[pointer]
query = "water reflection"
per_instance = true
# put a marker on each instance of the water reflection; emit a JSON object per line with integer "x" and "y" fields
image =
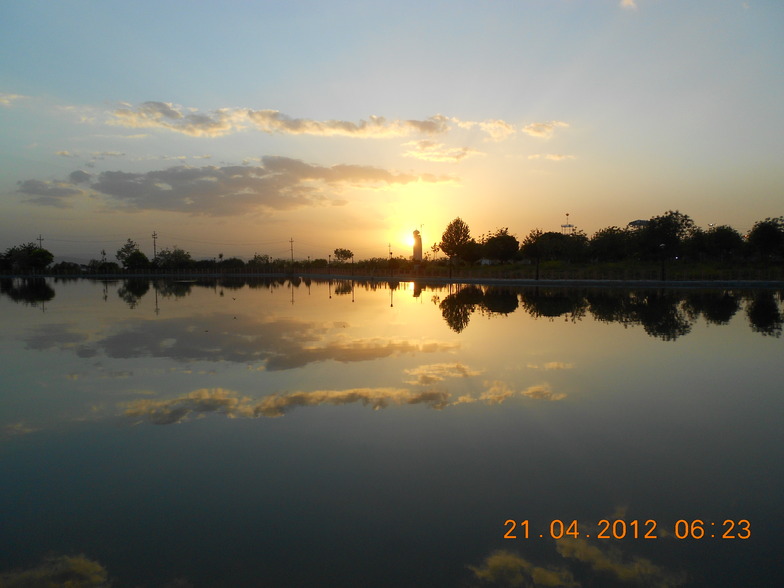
{"x": 379, "y": 434}
{"x": 666, "y": 314}
{"x": 30, "y": 291}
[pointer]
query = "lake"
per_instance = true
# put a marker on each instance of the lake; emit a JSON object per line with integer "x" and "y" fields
{"x": 292, "y": 432}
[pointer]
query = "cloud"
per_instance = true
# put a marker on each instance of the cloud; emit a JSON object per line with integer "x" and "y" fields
{"x": 59, "y": 571}
{"x": 497, "y": 129}
{"x": 230, "y": 404}
{"x": 542, "y": 392}
{"x": 9, "y": 99}
{"x": 277, "y": 404}
{"x": 49, "y": 193}
{"x": 432, "y": 151}
{"x": 223, "y": 121}
{"x": 66, "y": 154}
{"x": 273, "y": 121}
{"x": 497, "y": 391}
{"x": 544, "y": 130}
{"x": 638, "y": 570}
{"x": 552, "y": 365}
{"x": 629, "y": 4}
{"x": 278, "y": 344}
{"x": 165, "y": 115}
{"x": 199, "y": 402}
{"x": 504, "y": 568}
{"x": 279, "y": 183}
{"x": 173, "y": 117}
{"x": 438, "y": 372}
{"x": 16, "y": 429}
{"x": 79, "y": 177}
{"x": 551, "y": 156}
{"x": 351, "y": 351}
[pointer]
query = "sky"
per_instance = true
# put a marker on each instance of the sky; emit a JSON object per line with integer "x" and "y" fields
{"x": 266, "y": 127}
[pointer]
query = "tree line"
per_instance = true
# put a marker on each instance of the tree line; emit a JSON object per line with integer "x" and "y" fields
{"x": 672, "y": 235}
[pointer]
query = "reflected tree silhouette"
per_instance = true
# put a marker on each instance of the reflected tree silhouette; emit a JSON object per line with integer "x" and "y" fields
{"x": 500, "y": 300}
{"x": 343, "y": 287}
{"x": 132, "y": 290}
{"x": 764, "y": 314}
{"x": 169, "y": 289}
{"x": 661, "y": 315}
{"x": 27, "y": 290}
{"x": 718, "y": 308}
{"x": 553, "y": 302}
{"x": 457, "y": 308}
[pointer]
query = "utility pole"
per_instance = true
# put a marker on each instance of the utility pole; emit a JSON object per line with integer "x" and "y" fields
{"x": 291, "y": 242}
{"x": 154, "y": 250}
{"x": 39, "y": 239}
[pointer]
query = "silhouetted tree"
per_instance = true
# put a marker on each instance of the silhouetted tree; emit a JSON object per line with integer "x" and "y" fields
{"x": 343, "y": 254}
{"x": 26, "y": 257}
{"x": 766, "y": 238}
{"x": 664, "y": 235}
{"x": 455, "y": 236}
{"x": 173, "y": 258}
{"x": 124, "y": 253}
{"x": 136, "y": 261}
{"x": 470, "y": 252}
{"x": 610, "y": 244}
{"x": 501, "y": 246}
{"x": 718, "y": 243}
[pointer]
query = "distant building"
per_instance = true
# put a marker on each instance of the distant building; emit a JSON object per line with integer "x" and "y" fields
{"x": 417, "y": 246}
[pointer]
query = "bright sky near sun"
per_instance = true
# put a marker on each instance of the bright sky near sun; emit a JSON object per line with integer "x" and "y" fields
{"x": 233, "y": 127}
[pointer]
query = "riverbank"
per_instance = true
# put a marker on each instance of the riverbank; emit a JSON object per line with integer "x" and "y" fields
{"x": 485, "y": 279}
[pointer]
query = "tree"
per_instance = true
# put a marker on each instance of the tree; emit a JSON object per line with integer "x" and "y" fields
{"x": 173, "y": 258}
{"x": 27, "y": 257}
{"x": 343, "y": 254}
{"x": 455, "y": 237}
{"x": 610, "y": 244}
{"x": 501, "y": 245}
{"x": 470, "y": 252}
{"x": 766, "y": 238}
{"x": 719, "y": 243}
{"x": 664, "y": 235}
{"x": 124, "y": 252}
{"x": 136, "y": 260}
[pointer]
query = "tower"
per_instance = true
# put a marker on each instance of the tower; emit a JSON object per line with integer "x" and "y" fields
{"x": 417, "y": 246}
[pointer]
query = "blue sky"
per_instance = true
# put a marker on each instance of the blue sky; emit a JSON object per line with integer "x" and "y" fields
{"x": 233, "y": 127}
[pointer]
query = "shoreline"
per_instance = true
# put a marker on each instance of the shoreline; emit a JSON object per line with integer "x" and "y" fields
{"x": 441, "y": 280}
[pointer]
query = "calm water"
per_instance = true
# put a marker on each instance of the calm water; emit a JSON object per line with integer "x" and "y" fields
{"x": 338, "y": 434}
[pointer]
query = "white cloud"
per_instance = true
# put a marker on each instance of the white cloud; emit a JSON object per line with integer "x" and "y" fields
{"x": 438, "y": 152}
{"x": 170, "y": 116}
{"x": 551, "y": 156}
{"x": 9, "y": 99}
{"x": 438, "y": 372}
{"x": 544, "y": 130}
{"x": 630, "y": 4}
{"x": 173, "y": 117}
